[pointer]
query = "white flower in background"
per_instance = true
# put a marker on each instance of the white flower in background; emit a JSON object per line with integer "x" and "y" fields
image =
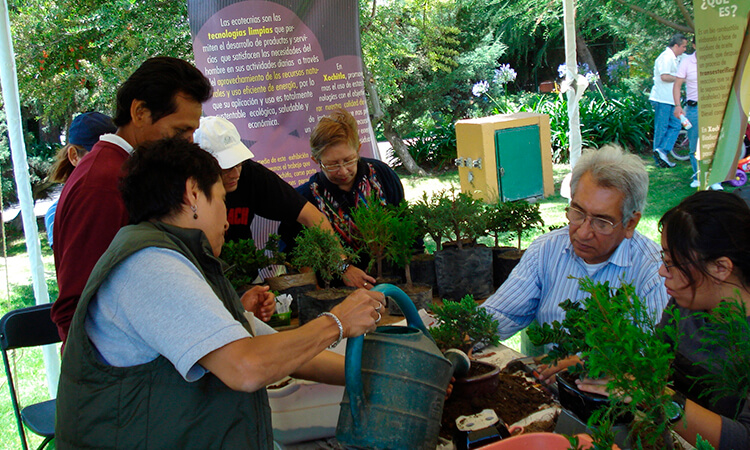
{"x": 505, "y": 74}
{"x": 480, "y": 88}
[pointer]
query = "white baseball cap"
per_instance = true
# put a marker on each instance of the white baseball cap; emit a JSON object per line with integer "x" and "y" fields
{"x": 219, "y": 137}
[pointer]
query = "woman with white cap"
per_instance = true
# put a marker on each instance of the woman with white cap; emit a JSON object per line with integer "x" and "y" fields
{"x": 252, "y": 189}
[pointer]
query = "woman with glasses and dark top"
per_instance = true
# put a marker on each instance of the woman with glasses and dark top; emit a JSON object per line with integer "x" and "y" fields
{"x": 706, "y": 258}
{"x": 346, "y": 180}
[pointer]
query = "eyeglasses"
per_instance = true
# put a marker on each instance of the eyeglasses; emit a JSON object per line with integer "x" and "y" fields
{"x": 336, "y": 167}
{"x": 601, "y": 226}
{"x": 667, "y": 265}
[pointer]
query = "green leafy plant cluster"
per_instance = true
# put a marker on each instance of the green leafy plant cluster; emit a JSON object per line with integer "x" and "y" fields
{"x": 451, "y": 215}
{"x": 463, "y": 325}
{"x": 617, "y": 337}
{"x": 245, "y": 259}
{"x": 321, "y": 251}
{"x": 405, "y": 234}
{"x": 516, "y": 218}
{"x": 433, "y": 148}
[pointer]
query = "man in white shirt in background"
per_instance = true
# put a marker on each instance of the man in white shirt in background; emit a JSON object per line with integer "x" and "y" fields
{"x": 666, "y": 125}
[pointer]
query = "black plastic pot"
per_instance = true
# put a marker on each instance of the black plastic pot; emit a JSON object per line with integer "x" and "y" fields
{"x": 504, "y": 259}
{"x": 293, "y": 284}
{"x": 583, "y": 404}
{"x": 463, "y": 272}
{"x": 420, "y": 294}
{"x": 422, "y": 270}
{"x": 312, "y": 303}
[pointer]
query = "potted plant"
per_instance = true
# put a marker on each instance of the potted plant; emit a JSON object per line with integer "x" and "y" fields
{"x": 462, "y": 267}
{"x": 422, "y": 266}
{"x": 518, "y": 217}
{"x": 405, "y": 233}
{"x": 616, "y": 336}
{"x": 463, "y": 325}
{"x": 374, "y": 233}
{"x": 245, "y": 260}
{"x": 321, "y": 252}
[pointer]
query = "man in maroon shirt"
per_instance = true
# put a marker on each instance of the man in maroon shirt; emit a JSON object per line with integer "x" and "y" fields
{"x": 161, "y": 99}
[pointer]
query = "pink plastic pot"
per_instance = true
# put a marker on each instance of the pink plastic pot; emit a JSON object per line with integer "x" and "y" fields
{"x": 547, "y": 441}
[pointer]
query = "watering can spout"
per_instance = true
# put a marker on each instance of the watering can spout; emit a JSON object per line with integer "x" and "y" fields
{"x": 459, "y": 360}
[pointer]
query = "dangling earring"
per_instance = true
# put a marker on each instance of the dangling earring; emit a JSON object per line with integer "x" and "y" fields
{"x": 195, "y": 211}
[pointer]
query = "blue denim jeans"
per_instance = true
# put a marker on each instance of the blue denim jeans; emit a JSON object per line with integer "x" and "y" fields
{"x": 666, "y": 126}
{"x": 691, "y": 112}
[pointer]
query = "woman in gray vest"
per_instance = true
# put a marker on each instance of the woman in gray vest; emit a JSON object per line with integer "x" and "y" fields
{"x": 161, "y": 353}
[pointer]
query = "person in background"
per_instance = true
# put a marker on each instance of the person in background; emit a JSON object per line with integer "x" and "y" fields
{"x": 162, "y": 98}
{"x": 666, "y": 125}
{"x": 609, "y": 189}
{"x": 346, "y": 180}
{"x": 84, "y": 132}
{"x": 160, "y": 352}
{"x": 253, "y": 189}
{"x": 705, "y": 260}
{"x": 687, "y": 73}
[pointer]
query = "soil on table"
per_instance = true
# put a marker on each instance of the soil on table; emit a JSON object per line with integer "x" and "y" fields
{"x": 516, "y": 398}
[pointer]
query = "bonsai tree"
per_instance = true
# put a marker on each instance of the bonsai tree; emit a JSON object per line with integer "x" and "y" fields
{"x": 616, "y": 336}
{"x": 374, "y": 231}
{"x": 245, "y": 259}
{"x": 517, "y": 217}
{"x": 429, "y": 221}
{"x": 320, "y": 250}
{"x": 463, "y": 325}
{"x": 405, "y": 233}
{"x": 462, "y": 216}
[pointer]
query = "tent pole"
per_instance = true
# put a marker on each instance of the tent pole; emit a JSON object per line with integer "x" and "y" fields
{"x": 9, "y": 83}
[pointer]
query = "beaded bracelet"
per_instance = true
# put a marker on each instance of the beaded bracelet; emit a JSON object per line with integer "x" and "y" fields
{"x": 338, "y": 323}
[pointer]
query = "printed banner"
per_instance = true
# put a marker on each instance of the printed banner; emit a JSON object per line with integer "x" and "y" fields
{"x": 276, "y": 68}
{"x": 723, "y": 40}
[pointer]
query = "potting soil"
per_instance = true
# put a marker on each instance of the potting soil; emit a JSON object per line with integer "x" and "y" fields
{"x": 516, "y": 398}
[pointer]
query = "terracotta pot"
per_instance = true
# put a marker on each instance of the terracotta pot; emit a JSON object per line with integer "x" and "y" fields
{"x": 580, "y": 403}
{"x": 480, "y": 384}
{"x": 420, "y": 294}
{"x": 293, "y": 284}
{"x": 312, "y": 303}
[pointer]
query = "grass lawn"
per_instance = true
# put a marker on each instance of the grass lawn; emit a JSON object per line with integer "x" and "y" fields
{"x": 667, "y": 188}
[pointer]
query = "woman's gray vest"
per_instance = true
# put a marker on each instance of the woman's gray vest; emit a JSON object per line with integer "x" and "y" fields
{"x": 151, "y": 406}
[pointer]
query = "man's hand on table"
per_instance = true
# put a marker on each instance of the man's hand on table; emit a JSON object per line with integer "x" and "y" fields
{"x": 547, "y": 372}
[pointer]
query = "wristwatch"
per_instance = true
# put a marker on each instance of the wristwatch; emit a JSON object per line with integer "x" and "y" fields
{"x": 343, "y": 266}
{"x": 678, "y": 404}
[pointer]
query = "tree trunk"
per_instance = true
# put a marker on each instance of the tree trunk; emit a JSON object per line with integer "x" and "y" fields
{"x": 392, "y": 135}
{"x": 656, "y": 17}
{"x": 407, "y": 273}
{"x": 585, "y": 55}
{"x": 400, "y": 148}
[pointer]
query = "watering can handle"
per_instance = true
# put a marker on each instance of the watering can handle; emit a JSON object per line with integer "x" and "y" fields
{"x": 353, "y": 357}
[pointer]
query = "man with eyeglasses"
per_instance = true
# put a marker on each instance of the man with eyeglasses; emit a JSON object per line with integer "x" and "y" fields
{"x": 346, "y": 181}
{"x": 608, "y": 190}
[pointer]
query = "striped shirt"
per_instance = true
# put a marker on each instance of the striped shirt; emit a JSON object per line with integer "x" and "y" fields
{"x": 541, "y": 280}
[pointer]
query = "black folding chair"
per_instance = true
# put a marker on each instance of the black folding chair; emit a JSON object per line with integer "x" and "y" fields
{"x": 29, "y": 327}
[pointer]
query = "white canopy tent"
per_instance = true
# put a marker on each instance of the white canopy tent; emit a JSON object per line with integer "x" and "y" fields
{"x": 9, "y": 84}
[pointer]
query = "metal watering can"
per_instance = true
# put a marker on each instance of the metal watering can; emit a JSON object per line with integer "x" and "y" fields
{"x": 396, "y": 378}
